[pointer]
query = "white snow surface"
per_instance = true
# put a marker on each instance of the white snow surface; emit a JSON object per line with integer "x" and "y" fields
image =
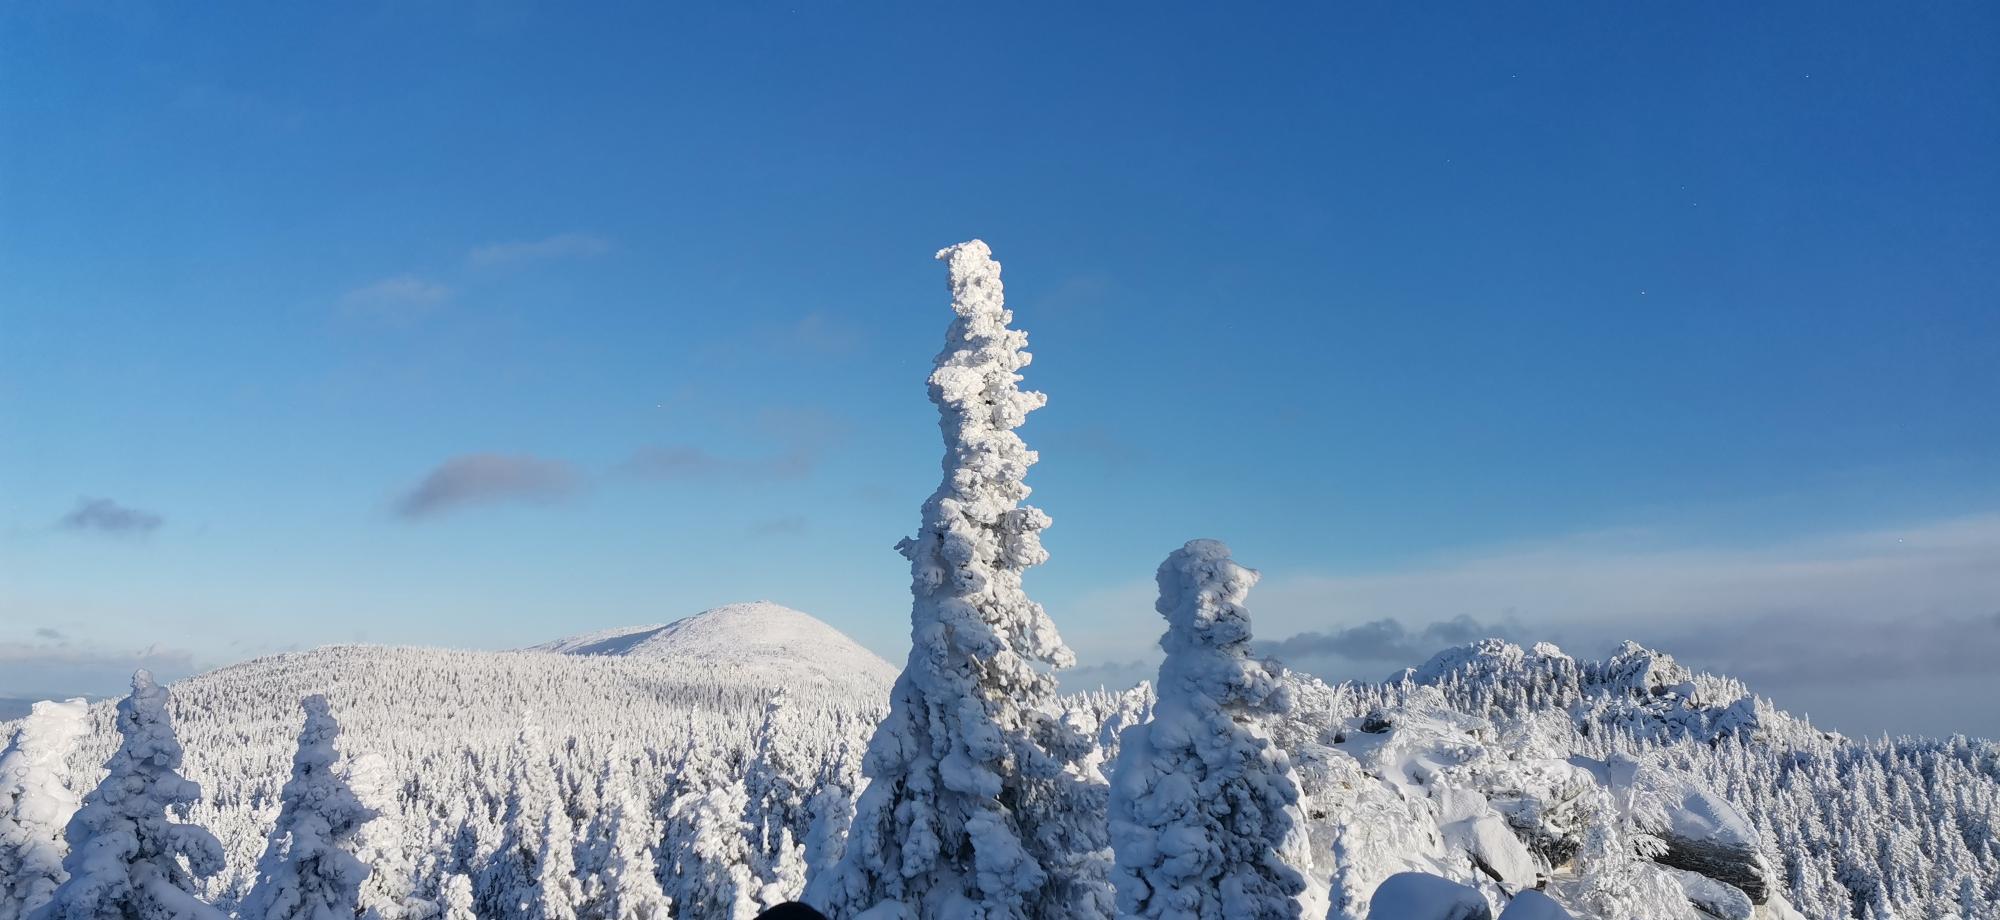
{"x": 782, "y": 646}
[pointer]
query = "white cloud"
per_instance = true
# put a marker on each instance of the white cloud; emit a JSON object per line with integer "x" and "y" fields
{"x": 399, "y": 299}
{"x": 560, "y": 246}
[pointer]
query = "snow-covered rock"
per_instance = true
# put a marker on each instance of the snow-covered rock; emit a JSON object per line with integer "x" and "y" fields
{"x": 1416, "y": 896}
{"x": 765, "y": 641}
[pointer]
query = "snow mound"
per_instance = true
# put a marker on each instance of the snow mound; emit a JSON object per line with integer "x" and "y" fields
{"x": 760, "y": 639}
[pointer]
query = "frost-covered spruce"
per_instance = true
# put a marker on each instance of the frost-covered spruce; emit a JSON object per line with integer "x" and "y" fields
{"x": 380, "y": 843}
{"x": 35, "y": 805}
{"x": 532, "y": 872}
{"x": 308, "y": 871}
{"x": 125, "y": 857}
{"x": 970, "y": 810}
{"x": 777, "y": 804}
{"x": 631, "y": 885}
{"x": 708, "y": 855}
{"x": 1203, "y": 805}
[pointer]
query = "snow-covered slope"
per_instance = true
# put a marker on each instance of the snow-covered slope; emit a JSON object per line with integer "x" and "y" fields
{"x": 767, "y": 642}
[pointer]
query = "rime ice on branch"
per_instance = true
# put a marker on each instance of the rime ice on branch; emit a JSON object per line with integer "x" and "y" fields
{"x": 1203, "y": 806}
{"x": 35, "y": 805}
{"x": 124, "y": 855}
{"x": 967, "y": 809}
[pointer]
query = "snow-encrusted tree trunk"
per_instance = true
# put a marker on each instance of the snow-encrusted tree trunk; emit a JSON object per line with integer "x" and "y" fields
{"x": 35, "y": 805}
{"x": 308, "y": 871}
{"x": 1204, "y": 807}
{"x": 971, "y": 809}
{"x": 125, "y": 857}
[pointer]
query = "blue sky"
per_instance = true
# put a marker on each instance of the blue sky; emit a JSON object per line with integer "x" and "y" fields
{"x": 1580, "y": 321}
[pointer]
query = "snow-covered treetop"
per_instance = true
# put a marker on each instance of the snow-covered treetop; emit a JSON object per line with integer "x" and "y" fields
{"x": 977, "y": 534}
{"x": 1208, "y": 630}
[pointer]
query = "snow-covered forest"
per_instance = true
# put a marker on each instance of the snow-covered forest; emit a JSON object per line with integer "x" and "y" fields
{"x": 711, "y": 768}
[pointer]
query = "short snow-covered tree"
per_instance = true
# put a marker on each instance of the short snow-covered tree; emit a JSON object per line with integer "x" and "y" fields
{"x": 125, "y": 858}
{"x": 708, "y": 855}
{"x": 308, "y": 871}
{"x": 1204, "y": 807}
{"x": 35, "y": 805}
{"x": 969, "y": 809}
{"x": 1613, "y": 876}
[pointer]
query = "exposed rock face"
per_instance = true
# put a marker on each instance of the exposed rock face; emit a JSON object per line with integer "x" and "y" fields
{"x": 1717, "y": 899}
{"x": 1733, "y": 863}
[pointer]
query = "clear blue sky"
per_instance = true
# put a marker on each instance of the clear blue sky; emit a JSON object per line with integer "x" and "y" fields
{"x": 1391, "y": 298}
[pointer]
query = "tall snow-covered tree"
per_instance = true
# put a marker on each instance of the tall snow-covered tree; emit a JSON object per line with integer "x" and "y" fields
{"x": 308, "y": 871}
{"x": 532, "y": 871}
{"x": 630, "y": 884}
{"x": 125, "y": 857}
{"x": 777, "y": 805}
{"x": 1204, "y": 807}
{"x": 380, "y": 843}
{"x": 970, "y": 808}
{"x": 35, "y": 805}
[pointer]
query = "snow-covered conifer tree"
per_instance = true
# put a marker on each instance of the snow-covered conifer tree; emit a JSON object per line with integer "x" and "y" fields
{"x": 776, "y": 805}
{"x": 970, "y": 809}
{"x": 532, "y": 872}
{"x": 1203, "y": 805}
{"x": 124, "y": 859}
{"x": 35, "y": 805}
{"x": 388, "y": 892}
{"x": 308, "y": 871}
{"x": 455, "y": 898}
{"x": 630, "y": 880}
{"x": 1613, "y": 878}
{"x": 708, "y": 855}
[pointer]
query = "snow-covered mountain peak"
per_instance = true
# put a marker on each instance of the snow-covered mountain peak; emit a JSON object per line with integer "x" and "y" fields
{"x": 760, "y": 637}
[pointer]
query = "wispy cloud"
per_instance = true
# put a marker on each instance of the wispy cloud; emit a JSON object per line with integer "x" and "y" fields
{"x": 399, "y": 299}
{"x": 560, "y": 246}
{"x": 474, "y": 479}
{"x": 690, "y": 462}
{"x": 102, "y": 515}
{"x": 815, "y": 336}
{"x": 779, "y": 526}
{"x": 803, "y": 436}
